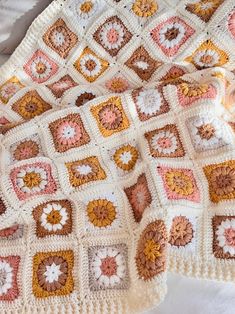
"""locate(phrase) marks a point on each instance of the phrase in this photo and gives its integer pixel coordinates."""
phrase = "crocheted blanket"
(117, 154)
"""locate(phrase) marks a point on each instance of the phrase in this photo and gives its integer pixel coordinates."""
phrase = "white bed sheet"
(192, 296)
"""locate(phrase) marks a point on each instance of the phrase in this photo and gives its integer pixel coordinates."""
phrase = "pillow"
(15, 19)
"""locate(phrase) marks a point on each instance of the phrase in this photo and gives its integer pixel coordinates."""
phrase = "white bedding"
(185, 295)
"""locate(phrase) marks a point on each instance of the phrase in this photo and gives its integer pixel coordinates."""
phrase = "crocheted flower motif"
(30, 105)
(179, 184)
(32, 179)
(68, 132)
(171, 34)
(9, 267)
(231, 23)
(9, 89)
(52, 273)
(125, 157)
(151, 250)
(224, 236)
(117, 84)
(60, 38)
(173, 75)
(53, 218)
(221, 180)
(86, 8)
(90, 65)
(85, 11)
(165, 142)
(149, 103)
(206, 133)
(84, 171)
(112, 35)
(142, 64)
(108, 268)
(188, 93)
(25, 149)
(83, 98)
(62, 85)
(144, 8)
(181, 232)
(14, 232)
(208, 55)
(40, 67)
(110, 116)
(101, 213)
(3, 207)
(204, 9)
(139, 197)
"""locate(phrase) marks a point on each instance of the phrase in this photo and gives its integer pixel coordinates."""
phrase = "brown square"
(68, 132)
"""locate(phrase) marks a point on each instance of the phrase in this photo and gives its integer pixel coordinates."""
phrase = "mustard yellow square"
(221, 180)
(110, 116)
(52, 274)
(84, 171)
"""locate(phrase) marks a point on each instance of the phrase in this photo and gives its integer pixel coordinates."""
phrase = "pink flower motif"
(10, 89)
(8, 231)
(230, 237)
(69, 133)
(112, 36)
(108, 116)
(117, 84)
(3, 121)
(231, 24)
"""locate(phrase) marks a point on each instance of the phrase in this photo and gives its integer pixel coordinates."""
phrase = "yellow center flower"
(179, 182)
(86, 6)
(152, 250)
(144, 8)
(101, 212)
(54, 217)
(193, 90)
(32, 179)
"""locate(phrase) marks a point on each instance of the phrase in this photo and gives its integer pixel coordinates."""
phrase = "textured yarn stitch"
(117, 154)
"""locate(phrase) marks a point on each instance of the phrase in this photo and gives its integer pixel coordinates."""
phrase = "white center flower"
(141, 65)
(84, 169)
(58, 38)
(6, 277)
(52, 273)
(207, 5)
(149, 101)
(126, 157)
(68, 132)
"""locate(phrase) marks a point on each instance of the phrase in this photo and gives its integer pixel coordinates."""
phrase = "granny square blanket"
(117, 154)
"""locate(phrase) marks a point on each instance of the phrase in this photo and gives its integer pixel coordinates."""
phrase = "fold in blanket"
(117, 154)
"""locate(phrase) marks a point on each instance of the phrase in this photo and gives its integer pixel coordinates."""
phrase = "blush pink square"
(49, 185)
(189, 192)
(187, 101)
